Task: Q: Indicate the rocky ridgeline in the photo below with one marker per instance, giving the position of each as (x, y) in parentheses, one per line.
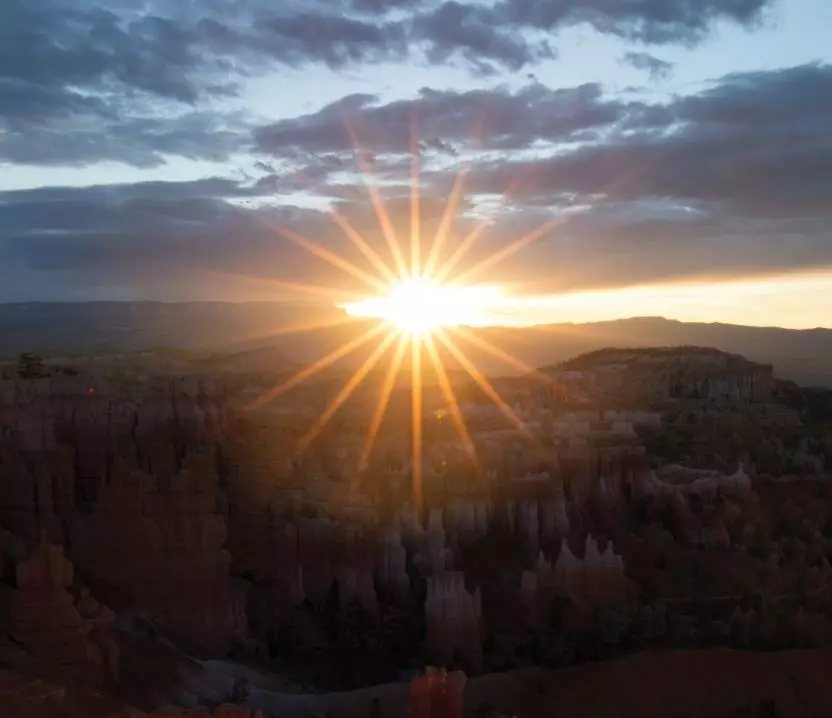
(643, 377)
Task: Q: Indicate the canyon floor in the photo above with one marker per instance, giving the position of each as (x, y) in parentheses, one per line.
(651, 684)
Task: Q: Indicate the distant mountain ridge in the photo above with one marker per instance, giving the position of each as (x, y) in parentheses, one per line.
(804, 356)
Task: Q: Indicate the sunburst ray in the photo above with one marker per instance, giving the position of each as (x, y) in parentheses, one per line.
(383, 400)
(314, 290)
(345, 393)
(320, 365)
(299, 328)
(471, 238)
(450, 397)
(490, 348)
(334, 259)
(475, 233)
(380, 210)
(445, 223)
(481, 381)
(510, 249)
(416, 418)
(415, 218)
(443, 230)
(362, 245)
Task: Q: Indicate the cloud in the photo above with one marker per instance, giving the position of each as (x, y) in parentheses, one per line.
(655, 22)
(84, 137)
(51, 44)
(657, 68)
(181, 51)
(470, 31)
(493, 119)
(733, 179)
(128, 240)
(754, 144)
(128, 80)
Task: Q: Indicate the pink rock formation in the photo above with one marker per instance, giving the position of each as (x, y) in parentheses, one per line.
(597, 578)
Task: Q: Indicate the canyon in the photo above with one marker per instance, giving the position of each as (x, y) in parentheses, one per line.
(167, 547)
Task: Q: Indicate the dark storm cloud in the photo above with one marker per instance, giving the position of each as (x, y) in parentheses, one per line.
(657, 68)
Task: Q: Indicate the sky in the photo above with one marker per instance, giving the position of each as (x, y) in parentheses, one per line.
(660, 156)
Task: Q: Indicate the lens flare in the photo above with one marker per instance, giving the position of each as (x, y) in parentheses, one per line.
(419, 306)
(427, 305)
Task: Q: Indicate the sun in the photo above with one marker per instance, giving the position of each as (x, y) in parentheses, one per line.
(418, 306)
(427, 307)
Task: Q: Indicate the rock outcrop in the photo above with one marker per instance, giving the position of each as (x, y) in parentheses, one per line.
(597, 578)
(60, 435)
(43, 617)
(163, 548)
(433, 556)
(453, 616)
(641, 377)
(392, 567)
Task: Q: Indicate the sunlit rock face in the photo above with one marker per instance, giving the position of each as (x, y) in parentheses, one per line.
(163, 548)
(597, 578)
(453, 616)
